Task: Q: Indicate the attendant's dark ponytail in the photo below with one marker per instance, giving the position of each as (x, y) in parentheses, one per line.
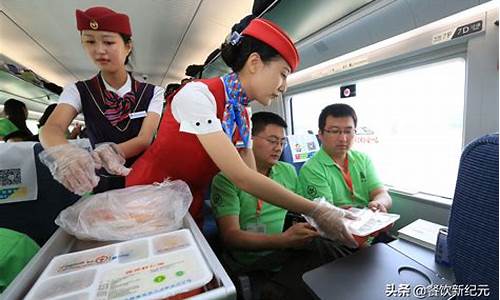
(236, 51)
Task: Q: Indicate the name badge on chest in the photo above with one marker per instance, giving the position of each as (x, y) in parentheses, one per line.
(137, 114)
(257, 227)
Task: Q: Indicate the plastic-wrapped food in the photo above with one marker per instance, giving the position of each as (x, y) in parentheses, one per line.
(128, 213)
(330, 222)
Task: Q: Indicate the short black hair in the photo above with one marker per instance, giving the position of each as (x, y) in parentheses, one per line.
(186, 80)
(171, 87)
(261, 119)
(337, 110)
(14, 107)
(15, 111)
(46, 114)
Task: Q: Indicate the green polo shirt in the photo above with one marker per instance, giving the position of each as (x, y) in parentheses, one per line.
(6, 127)
(228, 200)
(322, 177)
(16, 250)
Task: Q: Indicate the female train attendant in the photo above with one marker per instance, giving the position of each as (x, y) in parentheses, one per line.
(117, 108)
(207, 119)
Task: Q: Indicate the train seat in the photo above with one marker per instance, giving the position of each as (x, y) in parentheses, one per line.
(36, 218)
(473, 226)
(299, 149)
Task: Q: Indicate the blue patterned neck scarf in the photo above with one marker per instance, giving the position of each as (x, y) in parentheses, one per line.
(234, 111)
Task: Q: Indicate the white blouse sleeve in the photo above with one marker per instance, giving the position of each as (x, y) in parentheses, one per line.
(71, 96)
(156, 104)
(194, 107)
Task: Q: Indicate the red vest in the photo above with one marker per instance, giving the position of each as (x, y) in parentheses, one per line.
(180, 155)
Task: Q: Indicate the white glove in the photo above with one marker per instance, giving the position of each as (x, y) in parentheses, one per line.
(328, 218)
(109, 156)
(72, 166)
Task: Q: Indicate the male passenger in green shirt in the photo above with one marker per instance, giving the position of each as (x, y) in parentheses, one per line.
(249, 224)
(252, 230)
(343, 176)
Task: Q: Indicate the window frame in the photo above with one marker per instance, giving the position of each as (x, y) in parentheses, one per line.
(395, 64)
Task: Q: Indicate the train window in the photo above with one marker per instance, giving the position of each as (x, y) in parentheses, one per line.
(410, 122)
(32, 126)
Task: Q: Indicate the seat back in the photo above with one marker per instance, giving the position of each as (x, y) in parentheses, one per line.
(36, 218)
(473, 225)
(299, 149)
(287, 156)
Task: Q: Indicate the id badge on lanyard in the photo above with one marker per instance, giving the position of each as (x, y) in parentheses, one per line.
(258, 226)
(347, 178)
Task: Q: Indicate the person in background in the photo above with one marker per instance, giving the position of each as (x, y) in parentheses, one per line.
(172, 87)
(169, 92)
(16, 115)
(75, 132)
(121, 114)
(16, 250)
(345, 177)
(186, 80)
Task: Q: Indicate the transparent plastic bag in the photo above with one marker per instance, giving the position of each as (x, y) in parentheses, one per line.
(330, 221)
(128, 213)
(72, 166)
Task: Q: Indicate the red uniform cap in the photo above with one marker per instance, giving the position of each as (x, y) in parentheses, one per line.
(104, 19)
(271, 34)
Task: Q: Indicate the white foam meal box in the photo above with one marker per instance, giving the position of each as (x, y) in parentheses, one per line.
(172, 265)
(147, 268)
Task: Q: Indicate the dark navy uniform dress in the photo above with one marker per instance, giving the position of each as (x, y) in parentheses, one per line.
(97, 103)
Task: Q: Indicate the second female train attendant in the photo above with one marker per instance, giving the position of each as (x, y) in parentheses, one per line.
(116, 107)
(208, 118)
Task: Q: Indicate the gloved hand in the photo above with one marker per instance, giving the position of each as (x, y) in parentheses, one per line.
(72, 166)
(328, 218)
(109, 156)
